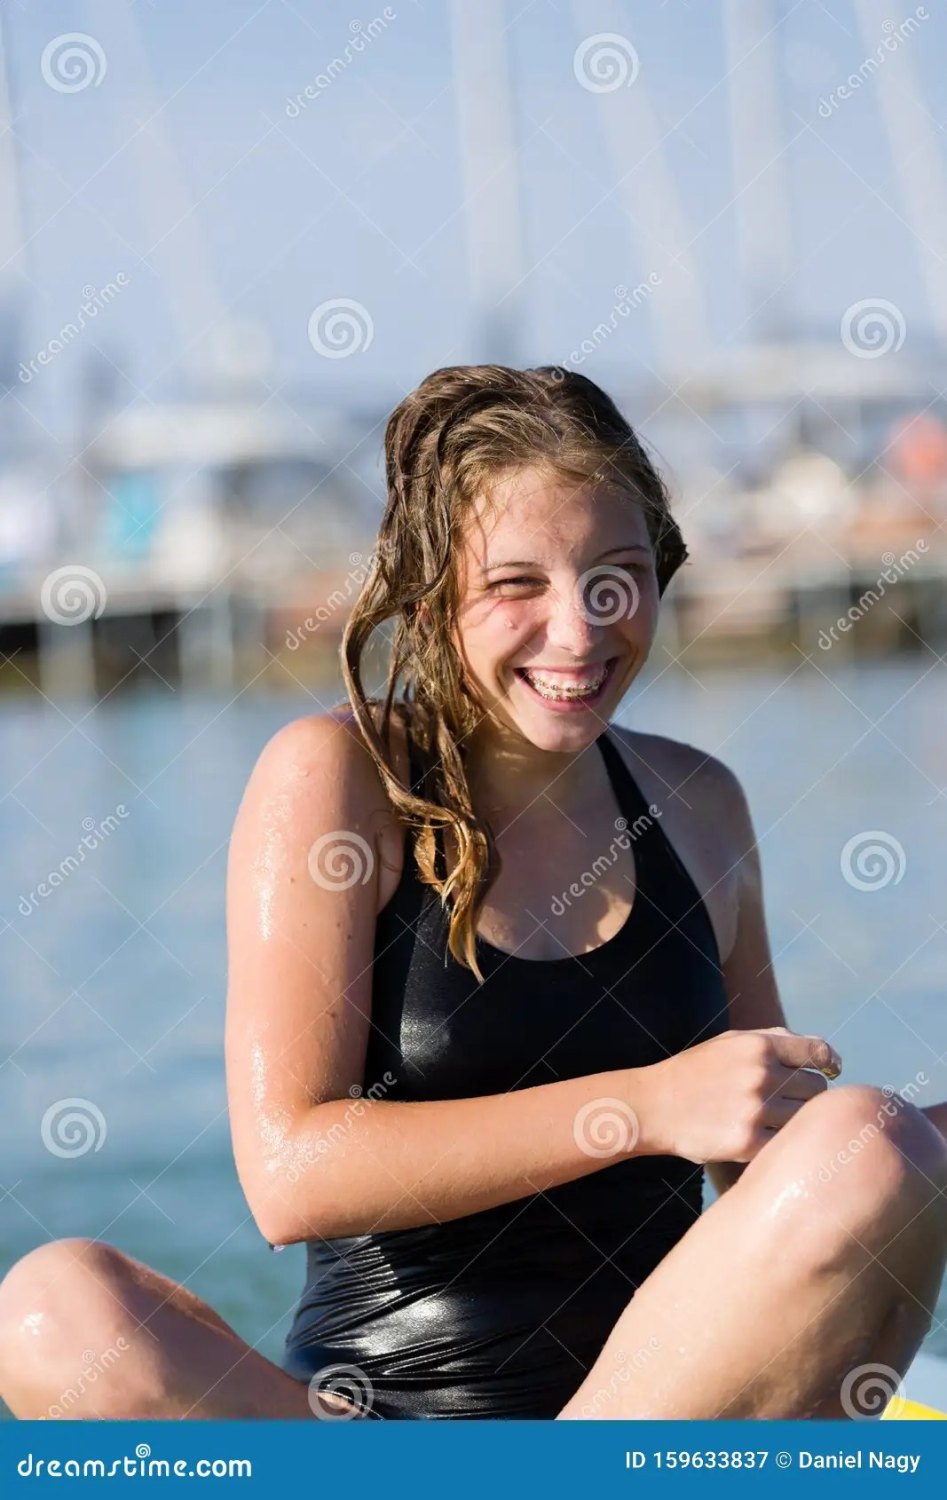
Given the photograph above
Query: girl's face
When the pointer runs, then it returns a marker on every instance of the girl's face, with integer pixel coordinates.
(559, 604)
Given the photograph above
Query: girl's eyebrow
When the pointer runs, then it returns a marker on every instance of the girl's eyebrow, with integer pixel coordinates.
(523, 563)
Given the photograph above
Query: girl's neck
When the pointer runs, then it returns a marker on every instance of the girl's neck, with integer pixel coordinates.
(507, 774)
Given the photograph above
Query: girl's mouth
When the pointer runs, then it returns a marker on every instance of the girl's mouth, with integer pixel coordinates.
(568, 692)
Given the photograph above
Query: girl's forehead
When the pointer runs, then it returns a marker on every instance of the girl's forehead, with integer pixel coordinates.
(553, 511)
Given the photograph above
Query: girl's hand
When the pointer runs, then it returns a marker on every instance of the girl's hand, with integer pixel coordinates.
(724, 1099)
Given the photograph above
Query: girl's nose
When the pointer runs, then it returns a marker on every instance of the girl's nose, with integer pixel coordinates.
(571, 624)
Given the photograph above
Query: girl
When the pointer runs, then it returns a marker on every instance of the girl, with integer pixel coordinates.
(500, 987)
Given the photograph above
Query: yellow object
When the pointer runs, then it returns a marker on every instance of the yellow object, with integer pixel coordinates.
(899, 1410)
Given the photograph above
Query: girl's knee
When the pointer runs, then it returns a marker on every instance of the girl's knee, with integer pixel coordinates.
(64, 1287)
(854, 1167)
(879, 1135)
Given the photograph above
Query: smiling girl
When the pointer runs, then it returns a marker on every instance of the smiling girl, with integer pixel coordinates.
(487, 1109)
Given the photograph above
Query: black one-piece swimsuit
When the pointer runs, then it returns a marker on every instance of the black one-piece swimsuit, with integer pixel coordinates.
(502, 1313)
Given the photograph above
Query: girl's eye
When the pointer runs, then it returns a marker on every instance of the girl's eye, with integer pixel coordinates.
(503, 583)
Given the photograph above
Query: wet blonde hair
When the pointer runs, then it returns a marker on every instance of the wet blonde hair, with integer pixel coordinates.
(447, 443)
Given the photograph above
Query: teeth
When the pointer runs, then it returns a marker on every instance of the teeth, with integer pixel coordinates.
(550, 689)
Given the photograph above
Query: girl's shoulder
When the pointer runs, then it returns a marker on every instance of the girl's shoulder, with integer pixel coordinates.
(704, 812)
(680, 772)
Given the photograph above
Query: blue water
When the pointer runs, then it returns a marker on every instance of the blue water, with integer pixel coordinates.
(113, 984)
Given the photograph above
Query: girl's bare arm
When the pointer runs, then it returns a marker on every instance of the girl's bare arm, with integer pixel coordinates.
(314, 1160)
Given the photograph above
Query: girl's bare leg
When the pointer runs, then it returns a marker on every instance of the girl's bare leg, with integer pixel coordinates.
(805, 1290)
(88, 1332)
(822, 1263)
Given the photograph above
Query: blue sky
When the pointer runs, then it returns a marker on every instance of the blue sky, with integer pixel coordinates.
(183, 170)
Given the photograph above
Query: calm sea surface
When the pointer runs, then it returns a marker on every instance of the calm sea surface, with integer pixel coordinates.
(113, 984)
